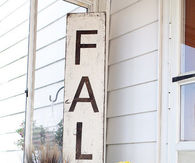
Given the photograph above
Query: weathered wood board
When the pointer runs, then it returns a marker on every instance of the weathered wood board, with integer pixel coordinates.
(84, 109)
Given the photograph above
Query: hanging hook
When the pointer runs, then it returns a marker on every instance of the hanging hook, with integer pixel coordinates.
(56, 95)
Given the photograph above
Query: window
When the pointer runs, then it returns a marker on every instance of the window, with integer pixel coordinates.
(182, 112)
(49, 74)
(188, 45)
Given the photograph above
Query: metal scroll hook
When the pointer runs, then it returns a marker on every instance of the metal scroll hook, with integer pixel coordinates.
(56, 95)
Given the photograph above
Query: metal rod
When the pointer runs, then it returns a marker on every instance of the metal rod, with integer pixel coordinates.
(179, 78)
(56, 95)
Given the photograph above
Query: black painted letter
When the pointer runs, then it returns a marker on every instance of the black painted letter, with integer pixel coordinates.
(79, 45)
(84, 80)
(80, 156)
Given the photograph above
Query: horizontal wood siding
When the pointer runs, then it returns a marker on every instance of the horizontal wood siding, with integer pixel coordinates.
(133, 72)
(133, 100)
(14, 27)
(133, 82)
(134, 44)
(10, 156)
(116, 6)
(132, 129)
(136, 16)
(137, 153)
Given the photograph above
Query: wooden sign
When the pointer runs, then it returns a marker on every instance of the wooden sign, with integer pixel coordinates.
(84, 108)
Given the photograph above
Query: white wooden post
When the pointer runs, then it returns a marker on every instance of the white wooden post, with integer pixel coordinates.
(31, 77)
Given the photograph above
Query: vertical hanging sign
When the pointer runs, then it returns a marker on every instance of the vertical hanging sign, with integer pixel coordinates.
(84, 108)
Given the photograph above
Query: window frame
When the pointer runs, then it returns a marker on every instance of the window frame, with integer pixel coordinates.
(175, 144)
(83, 3)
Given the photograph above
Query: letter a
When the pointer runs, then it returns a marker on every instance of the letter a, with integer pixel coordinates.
(84, 80)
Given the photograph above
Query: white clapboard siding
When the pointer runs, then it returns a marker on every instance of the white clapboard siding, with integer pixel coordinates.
(12, 105)
(8, 141)
(133, 17)
(132, 100)
(49, 74)
(53, 32)
(18, 68)
(10, 7)
(133, 82)
(50, 54)
(11, 156)
(47, 16)
(117, 5)
(132, 72)
(15, 19)
(14, 53)
(130, 129)
(134, 44)
(52, 115)
(136, 153)
(14, 36)
(11, 123)
(14, 27)
(3, 2)
(42, 95)
(43, 4)
(13, 87)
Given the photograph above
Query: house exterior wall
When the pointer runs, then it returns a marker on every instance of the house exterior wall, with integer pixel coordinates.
(133, 82)
(49, 75)
(14, 25)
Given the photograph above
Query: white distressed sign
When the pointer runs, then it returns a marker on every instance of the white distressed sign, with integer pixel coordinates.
(84, 88)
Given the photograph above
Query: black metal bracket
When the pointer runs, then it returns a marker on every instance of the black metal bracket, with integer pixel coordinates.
(56, 95)
(183, 77)
(26, 92)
